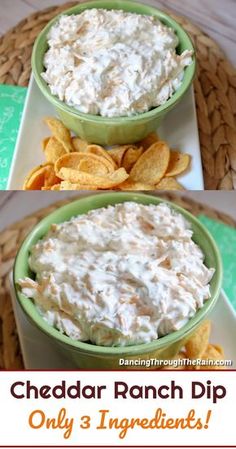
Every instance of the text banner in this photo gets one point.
(120, 408)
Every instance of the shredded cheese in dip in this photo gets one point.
(113, 63)
(120, 275)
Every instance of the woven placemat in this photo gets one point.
(215, 91)
(10, 240)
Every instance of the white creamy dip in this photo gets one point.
(117, 276)
(113, 63)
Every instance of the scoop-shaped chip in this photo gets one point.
(168, 184)
(79, 145)
(59, 131)
(198, 342)
(117, 153)
(50, 177)
(133, 185)
(67, 185)
(73, 160)
(220, 349)
(45, 142)
(149, 140)
(54, 149)
(212, 353)
(130, 157)
(152, 164)
(179, 162)
(41, 176)
(79, 177)
(93, 166)
(100, 151)
(56, 187)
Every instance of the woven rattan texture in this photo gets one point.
(10, 240)
(215, 91)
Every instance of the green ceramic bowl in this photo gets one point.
(88, 356)
(119, 130)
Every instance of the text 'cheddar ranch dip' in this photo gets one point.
(113, 63)
(120, 275)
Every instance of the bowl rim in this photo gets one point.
(104, 200)
(189, 71)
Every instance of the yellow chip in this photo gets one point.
(79, 145)
(45, 142)
(59, 131)
(212, 353)
(152, 164)
(50, 177)
(219, 349)
(130, 157)
(149, 140)
(92, 166)
(35, 178)
(99, 151)
(56, 187)
(133, 185)
(78, 177)
(54, 149)
(169, 184)
(197, 344)
(72, 161)
(179, 162)
(40, 177)
(67, 185)
(117, 153)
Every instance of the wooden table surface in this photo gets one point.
(216, 17)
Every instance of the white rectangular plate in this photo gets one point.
(179, 129)
(39, 352)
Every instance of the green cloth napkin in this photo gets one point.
(11, 105)
(225, 237)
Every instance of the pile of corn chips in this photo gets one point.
(74, 164)
(198, 347)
